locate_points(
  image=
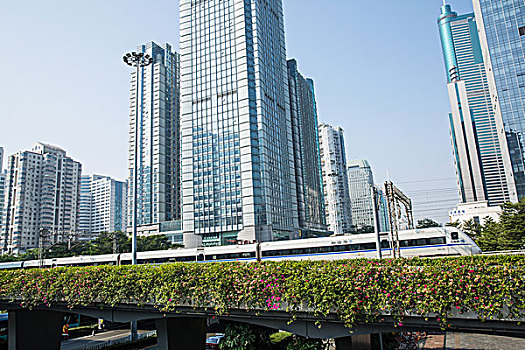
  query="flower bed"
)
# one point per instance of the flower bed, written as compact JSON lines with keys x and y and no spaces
{"x":356,"y":290}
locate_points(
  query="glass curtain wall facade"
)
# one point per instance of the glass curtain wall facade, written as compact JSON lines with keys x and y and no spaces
{"x":501,"y":24}
{"x":360,"y":182}
{"x":155,"y":93}
{"x":481,"y":156}
{"x":308,"y":177}
{"x":237,"y":155}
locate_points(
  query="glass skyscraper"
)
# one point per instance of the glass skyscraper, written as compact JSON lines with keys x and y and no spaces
{"x":308,"y":176}
{"x":480,"y":148}
{"x":501,"y":24}
{"x":238,"y":180}
{"x":158,"y":153}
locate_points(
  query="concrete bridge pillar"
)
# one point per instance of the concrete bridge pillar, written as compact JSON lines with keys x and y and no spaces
{"x":181,"y":333}
{"x":29,"y":330}
{"x":355,"y":342}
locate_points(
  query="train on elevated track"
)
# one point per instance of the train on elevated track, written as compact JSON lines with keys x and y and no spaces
{"x":431,"y":242}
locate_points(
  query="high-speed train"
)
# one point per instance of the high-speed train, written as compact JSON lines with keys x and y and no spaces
{"x":431,"y":242}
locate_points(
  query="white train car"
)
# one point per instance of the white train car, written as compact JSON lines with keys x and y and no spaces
{"x":431,"y":242}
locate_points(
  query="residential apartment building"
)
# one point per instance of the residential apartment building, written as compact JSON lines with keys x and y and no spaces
{"x":2,"y":187}
{"x":338,"y":209}
{"x":238,"y":178}
{"x":501,"y":27}
{"x":102,"y":205}
{"x":42,"y":192}
{"x":305,"y":132}
{"x":481,"y":153}
{"x":155,"y":109}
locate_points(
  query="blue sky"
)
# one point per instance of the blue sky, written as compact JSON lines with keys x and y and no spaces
{"x":377,"y":66}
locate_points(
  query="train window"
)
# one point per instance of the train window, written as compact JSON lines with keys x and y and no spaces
{"x":385,"y":244}
{"x":185,"y":258}
{"x":368,"y":246}
{"x":421,"y":242}
{"x":200,"y":257}
{"x":436,"y":240}
{"x":454,"y":235}
{"x":232,"y":256}
{"x":404,"y":243}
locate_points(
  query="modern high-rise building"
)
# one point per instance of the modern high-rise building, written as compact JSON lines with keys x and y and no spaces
{"x":482,"y":158}
{"x":155,"y":100}
{"x":338,"y":209}
{"x":305,"y":132}
{"x":360,"y":182}
{"x":102,"y":205}
{"x":238,"y":174}
{"x":501,"y":27}
{"x":42,"y":192}
{"x":2,"y":187}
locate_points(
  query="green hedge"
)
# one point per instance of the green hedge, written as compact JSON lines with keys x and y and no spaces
{"x":357,"y":290}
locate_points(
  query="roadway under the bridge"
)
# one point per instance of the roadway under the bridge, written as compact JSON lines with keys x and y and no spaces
{"x":185,"y":327}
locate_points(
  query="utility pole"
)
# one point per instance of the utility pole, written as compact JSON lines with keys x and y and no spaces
{"x":395,"y":197}
{"x":375,"y":208}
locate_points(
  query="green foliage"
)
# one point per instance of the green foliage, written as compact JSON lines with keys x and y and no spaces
{"x":427,"y":223}
{"x":301,"y":343}
{"x":358,"y":291}
{"x":507,"y":234}
{"x":242,"y":337}
{"x":103,"y":244}
{"x":279,"y":337}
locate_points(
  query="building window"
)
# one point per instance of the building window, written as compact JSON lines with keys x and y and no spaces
{"x":522,"y":30}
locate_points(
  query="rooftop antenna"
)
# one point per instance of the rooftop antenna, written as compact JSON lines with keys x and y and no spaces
{"x":444,"y":2}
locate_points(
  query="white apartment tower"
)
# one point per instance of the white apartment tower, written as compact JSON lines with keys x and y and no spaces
{"x":157,"y":137}
{"x":238,"y":178}
{"x":335,"y":179}
{"x":102,"y":205}
{"x":42,"y":192}
{"x":2,"y":187}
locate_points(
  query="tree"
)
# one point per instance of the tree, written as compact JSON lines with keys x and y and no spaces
{"x":512,"y":226}
{"x":151,"y":243}
{"x":427,"y":223}
{"x":507,"y":234}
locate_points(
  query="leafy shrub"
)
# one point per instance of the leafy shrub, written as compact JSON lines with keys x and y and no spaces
{"x":357,"y":291}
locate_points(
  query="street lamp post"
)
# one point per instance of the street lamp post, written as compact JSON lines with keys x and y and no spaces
{"x":137,"y":60}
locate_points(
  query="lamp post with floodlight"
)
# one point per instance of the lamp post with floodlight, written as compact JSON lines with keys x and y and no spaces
{"x":138,"y":60}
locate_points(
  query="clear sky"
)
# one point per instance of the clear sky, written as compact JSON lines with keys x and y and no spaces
{"x":377,"y":65}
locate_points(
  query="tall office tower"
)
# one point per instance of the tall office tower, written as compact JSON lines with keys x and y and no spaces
{"x":237,"y":154}
{"x":42,"y":192}
{"x":501,"y":25}
{"x":305,"y":132}
{"x":338,"y":209}
{"x":480,"y":148}
{"x":384,"y":220}
{"x":1,"y":159}
{"x":158,"y":189}
{"x":102,"y":205}
{"x":360,"y":182}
